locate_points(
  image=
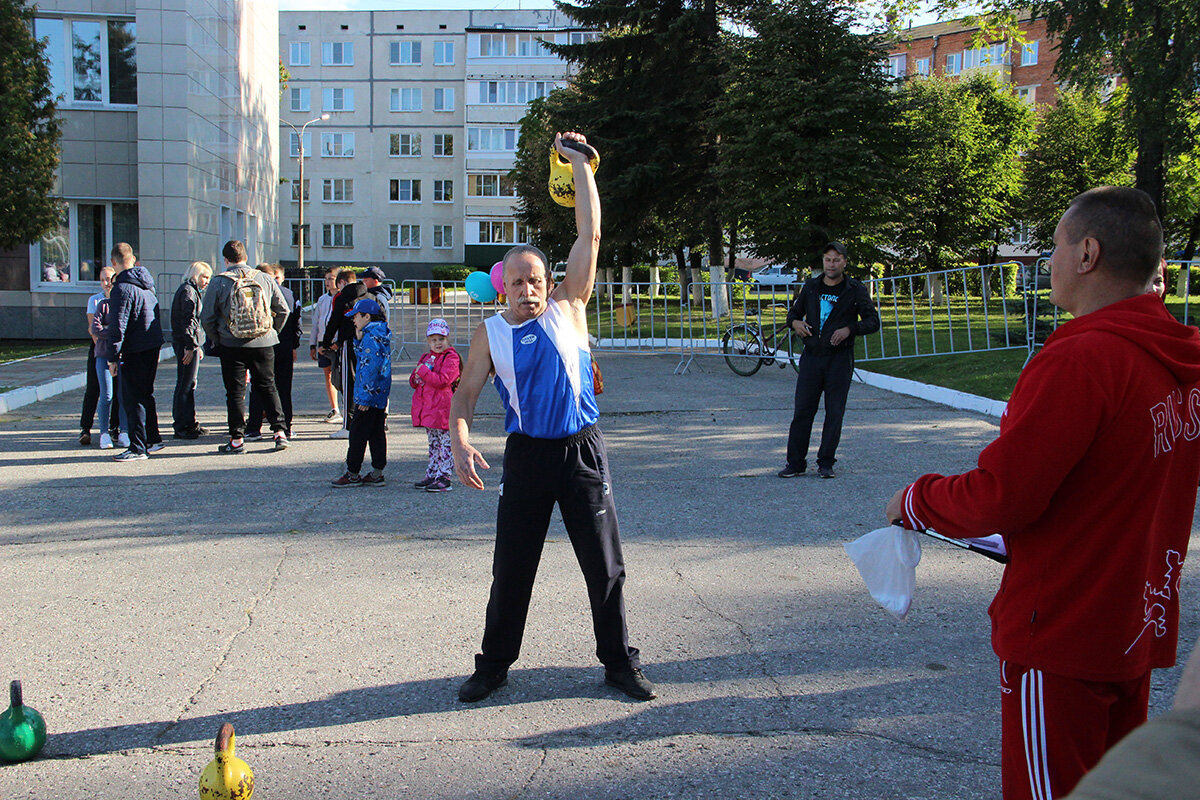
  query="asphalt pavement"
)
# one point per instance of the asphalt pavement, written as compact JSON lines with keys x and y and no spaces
{"x":148,"y":602}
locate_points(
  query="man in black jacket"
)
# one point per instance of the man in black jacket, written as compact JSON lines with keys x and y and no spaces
{"x":339,"y":337}
{"x":137,"y":339}
{"x":830,"y":311}
{"x":187,"y":339}
{"x":285,"y":360}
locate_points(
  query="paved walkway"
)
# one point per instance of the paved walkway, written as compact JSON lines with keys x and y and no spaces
{"x":146,"y":603}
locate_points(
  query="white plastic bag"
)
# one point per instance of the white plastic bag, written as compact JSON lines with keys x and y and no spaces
{"x":887,"y":561}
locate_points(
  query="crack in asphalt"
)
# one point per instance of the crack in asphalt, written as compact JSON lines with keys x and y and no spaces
{"x":229,"y":644}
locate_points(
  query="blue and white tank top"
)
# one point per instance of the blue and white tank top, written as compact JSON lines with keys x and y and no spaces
{"x":543,"y":374}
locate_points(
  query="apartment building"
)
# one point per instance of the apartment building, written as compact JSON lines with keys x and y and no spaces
{"x":411,"y":168}
{"x":170,"y":143}
{"x":948,"y":49}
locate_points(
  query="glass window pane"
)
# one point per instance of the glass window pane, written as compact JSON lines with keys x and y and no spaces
{"x":125,"y":225}
{"x":92,"y":248}
{"x":52,"y":31}
{"x":85,"y":57}
{"x":56,"y":249}
{"x":122,"y":63}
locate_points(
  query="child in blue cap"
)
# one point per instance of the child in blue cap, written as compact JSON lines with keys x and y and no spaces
{"x":372,"y":385}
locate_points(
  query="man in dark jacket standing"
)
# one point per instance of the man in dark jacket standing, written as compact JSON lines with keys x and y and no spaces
{"x":239,"y":355}
{"x":187,"y":339}
{"x":285,"y":360}
{"x":339,"y":338}
{"x":137,"y":340}
{"x":830,"y":311}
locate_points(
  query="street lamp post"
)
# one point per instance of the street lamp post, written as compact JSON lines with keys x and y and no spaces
{"x":300,"y":215}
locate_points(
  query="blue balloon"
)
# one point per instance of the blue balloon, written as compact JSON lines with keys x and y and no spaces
{"x":479,"y":287}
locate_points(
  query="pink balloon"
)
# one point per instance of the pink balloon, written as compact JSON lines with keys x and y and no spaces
{"x":497,"y":275}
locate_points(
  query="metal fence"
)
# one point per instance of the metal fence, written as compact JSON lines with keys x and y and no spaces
{"x":973,"y":309}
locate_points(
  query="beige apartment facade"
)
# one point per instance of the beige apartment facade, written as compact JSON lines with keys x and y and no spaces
{"x":410,"y":170}
{"x":170,"y":143}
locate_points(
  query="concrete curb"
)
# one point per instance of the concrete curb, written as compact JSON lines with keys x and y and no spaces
{"x":27,"y":395}
{"x":934,"y":394}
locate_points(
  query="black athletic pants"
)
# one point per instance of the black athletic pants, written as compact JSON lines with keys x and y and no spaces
{"x":91,"y":394}
{"x":138,"y":371}
{"x":260,"y":362}
{"x":538,"y":473}
{"x":827,"y":373}
{"x":284,"y":368}
{"x":183,"y":403}
{"x":367,"y":428}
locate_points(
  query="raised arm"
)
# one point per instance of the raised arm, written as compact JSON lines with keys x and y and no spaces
{"x":462,"y":409}
{"x":580,"y":278}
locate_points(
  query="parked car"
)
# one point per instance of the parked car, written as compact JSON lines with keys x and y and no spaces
{"x":774,"y":275}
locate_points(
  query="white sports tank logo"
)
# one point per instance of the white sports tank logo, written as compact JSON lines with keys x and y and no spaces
{"x":529,"y":338}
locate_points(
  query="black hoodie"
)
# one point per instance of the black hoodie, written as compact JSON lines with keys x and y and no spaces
{"x":133,"y":312}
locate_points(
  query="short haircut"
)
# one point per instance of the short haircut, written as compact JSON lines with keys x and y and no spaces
{"x":521,"y":249}
{"x":346,"y":275}
{"x":234,"y":252}
{"x":122,"y":253}
{"x":265,"y":267}
{"x":197,"y":269}
{"x":331,"y":271}
{"x":1126,"y":224}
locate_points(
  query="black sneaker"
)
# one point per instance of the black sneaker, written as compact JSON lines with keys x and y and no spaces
{"x":85,"y":438}
{"x":253,"y":437}
{"x":232,"y":449}
{"x":424,"y":483}
{"x":192,"y":434}
{"x":130,"y":455}
{"x":790,"y":472}
{"x":632,"y":682}
{"x":480,"y":685}
{"x":281,"y":441}
{"x":825,"y":472}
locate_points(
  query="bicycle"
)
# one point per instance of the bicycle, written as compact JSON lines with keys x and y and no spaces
{"x":747,"y":350}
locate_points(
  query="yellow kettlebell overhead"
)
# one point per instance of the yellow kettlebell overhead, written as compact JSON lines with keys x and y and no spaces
{"x":226,"y":777}
{"x":562,"y":182}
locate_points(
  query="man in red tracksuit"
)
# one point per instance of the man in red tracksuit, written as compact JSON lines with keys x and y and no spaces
{"x":1092,"y":482}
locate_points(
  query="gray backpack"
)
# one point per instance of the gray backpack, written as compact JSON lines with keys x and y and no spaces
{"x":249,"y":306}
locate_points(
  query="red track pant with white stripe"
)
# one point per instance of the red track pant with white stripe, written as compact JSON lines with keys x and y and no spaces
{"x":1055,"y":729}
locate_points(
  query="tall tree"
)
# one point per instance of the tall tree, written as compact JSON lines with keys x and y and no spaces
{"x":808,"y":131}
{"x":29,"y":131}
{"x":960,"y":174}
{"x":1080,"y":143}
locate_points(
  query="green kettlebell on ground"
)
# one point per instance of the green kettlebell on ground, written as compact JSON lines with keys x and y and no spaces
{"x":22,"y":729}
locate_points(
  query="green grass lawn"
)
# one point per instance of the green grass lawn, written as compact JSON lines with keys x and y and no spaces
{"x":13,"y":349}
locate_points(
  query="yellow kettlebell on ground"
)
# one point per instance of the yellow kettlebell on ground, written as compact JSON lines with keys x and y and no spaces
{"x":226,"y":777}
{"x":562,"y":182}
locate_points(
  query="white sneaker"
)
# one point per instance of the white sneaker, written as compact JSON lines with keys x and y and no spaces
{"x":333,"y":417}
{"x":106,"y":442}
{"x":154,"y":448}
{"x":123,"y":439}
{"x":340,"y":434}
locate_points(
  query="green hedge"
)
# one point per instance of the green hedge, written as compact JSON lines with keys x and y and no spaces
{"x":451,"y":272}
{"x":1173,"y":279}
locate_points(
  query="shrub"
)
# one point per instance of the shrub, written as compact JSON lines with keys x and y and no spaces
{"x":451,"y":272}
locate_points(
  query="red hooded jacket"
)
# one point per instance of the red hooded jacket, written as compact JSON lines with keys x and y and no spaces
{"x":1092,"y":482}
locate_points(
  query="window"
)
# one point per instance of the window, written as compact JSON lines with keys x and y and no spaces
{"x":511,"y":45}
{"x":307,"y":237}
{"x":337,"y":54}
{"x":443,"y":236}
{"x":337,"y":99}
{"x":479,"y":185}
{"x":91,"y":61}
{"x":294,"y":144}
{"x":405,"y":190}
{"x":495,"y":140}
{"x":443,"y":191}
{"x":337,"y":190}
{"x":1029,"y":54}
{"x":983,"y":56}
{"x":405,"y":144}
{"x":298,"y":54}
{"x":443,"y":53}
{"x":337,"y":234}
{"x":1027,"y":93}
{"x":337,"y":145}
{"x":923,"y":67}
{"x":1021,"y":236}
{"x":300,"y":99}
{"x":513,"y":92}
{"x":953,"y":63}
{"x":407,"y":236}
{"x":502,"y":232}
{"x":443,"y":145}
{"x":405,"y":53}
{"x":897,"y":66}
{"x":443,"y":99}
{"x":296,"y":190}
{"x":78,"y":246}
{"x":406,"y":99}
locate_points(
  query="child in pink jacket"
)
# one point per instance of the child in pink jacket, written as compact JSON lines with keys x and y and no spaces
{"x":433,"y":381}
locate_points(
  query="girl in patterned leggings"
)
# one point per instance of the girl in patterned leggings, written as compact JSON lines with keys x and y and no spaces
{"x":433,"y":382}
